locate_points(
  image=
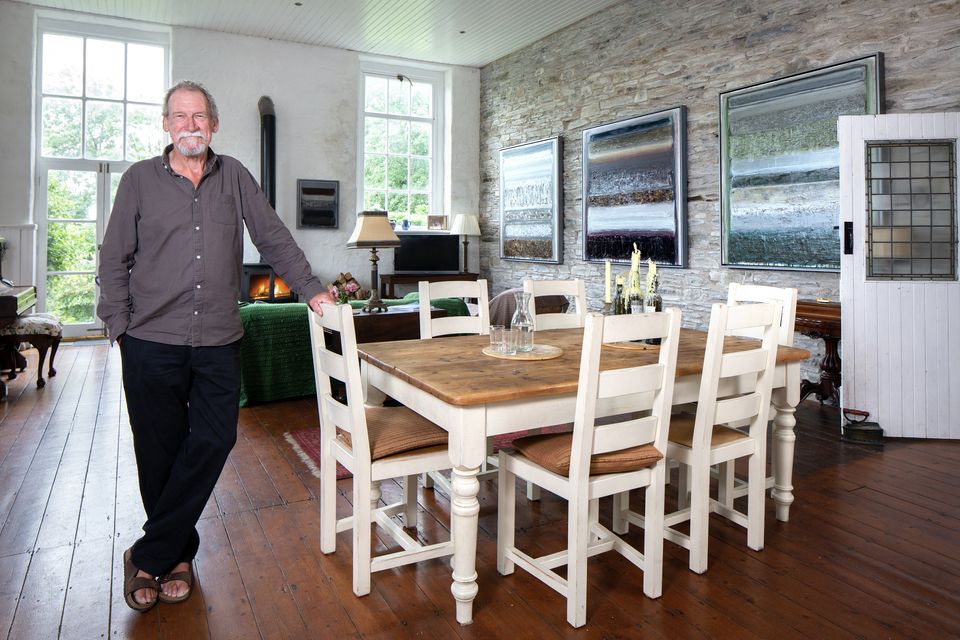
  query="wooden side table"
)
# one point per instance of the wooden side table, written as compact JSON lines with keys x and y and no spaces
{"x":389,"y":280}
{"x":821,"y":320}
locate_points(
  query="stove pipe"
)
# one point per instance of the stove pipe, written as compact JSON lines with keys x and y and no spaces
{"x":268,"y":150}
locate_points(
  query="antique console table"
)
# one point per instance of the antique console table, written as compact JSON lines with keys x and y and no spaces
{"x":389,"y":280}
{"x":822,"y":320}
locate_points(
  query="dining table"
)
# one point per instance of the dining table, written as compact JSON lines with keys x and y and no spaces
{"x":473,"y":395}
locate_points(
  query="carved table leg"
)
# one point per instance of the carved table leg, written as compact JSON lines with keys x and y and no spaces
{"x":784,"y":440}
{"x":827,"y":388}
{"x":464,"y":514}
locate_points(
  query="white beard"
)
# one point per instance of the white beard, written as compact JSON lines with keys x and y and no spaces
{"x":191,"y":145}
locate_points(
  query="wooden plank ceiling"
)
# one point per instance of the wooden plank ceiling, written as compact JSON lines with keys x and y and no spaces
{"x":461,"y":32}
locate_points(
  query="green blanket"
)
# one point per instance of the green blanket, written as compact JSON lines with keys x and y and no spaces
{"x":275,"y":359}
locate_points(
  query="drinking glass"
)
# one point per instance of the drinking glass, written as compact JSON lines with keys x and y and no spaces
{"x":497,"y":338}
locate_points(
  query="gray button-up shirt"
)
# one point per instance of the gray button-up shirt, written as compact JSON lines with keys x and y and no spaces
{"x":171,"y":258}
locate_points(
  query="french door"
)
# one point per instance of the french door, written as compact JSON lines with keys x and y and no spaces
{"x":74,"y":202}
{"x":899,"y":291}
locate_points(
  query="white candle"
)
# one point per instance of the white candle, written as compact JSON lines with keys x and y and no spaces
{"x":606,"y":281}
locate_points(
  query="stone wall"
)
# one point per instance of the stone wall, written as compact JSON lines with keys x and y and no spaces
{"x":642,"y":56}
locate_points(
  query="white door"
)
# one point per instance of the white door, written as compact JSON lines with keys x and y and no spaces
{"x":898,"y":272}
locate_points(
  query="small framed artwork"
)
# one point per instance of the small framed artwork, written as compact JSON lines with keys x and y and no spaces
{"x":531,"y":202}
{"x":635,"y":189}
{"x":436,"y":222}
{"x":318,"y":204}
{"x":780,"y":165}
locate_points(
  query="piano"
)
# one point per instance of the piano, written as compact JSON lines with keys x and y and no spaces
{"x":14,"y":301}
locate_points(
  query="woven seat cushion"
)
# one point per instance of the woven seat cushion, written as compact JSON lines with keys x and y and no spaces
{"x":681,"y":432}
{"x":394,"y":430}
{"x":552,"y":452}
{"x":34,"y":324}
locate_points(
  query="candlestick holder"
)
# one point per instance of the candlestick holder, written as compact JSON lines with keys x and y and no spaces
{"x":607,"y":309}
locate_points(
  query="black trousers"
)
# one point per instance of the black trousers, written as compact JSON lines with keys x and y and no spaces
{"x":184,"y":403}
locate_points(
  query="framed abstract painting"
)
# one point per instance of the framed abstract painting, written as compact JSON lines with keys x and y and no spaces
{"x":780,"y":164}
{"x":531,"y":202}
{"x":635,"y":189}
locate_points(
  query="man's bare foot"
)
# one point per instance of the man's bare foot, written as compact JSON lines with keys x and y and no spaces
{"x":145,"y":596}
{"x":175,"y":590}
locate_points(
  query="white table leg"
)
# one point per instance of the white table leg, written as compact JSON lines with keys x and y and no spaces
{"x":464,"y":512}
{"x":785,"y":399}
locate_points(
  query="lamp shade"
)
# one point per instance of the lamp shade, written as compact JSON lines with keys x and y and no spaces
{"x":465,"y":224}
{"x":373,"y":230}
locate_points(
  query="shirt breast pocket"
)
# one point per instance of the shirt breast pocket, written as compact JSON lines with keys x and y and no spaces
{"x":224,"y":210}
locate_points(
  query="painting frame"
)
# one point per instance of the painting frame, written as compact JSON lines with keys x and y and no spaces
{"x":635,"y":189}
{"x":779,"y":164}
{"x":531,"y":201}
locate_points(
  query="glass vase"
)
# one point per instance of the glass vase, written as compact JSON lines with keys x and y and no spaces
{"x":522,"y":322}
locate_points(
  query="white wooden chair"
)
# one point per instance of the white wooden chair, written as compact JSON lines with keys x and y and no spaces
{"x":571,"y":288}
{"x":596,"y":460}
{"x":734,"y":386}
{"x":373,"y":443}
{"x":431,"y":327}
{"x":730,"y":487}
{"x":448,"y":325}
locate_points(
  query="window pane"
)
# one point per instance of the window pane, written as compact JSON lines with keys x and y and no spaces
{"x":72,"y":195}
{"x":104,"y":131}
{"x":62,"y":64}
{"x":71,"y":246}
{"x":114,"y":184}
{"x":60,"y":135}
{"x":374,"y":135}
{"x":397,"y":203}
{"x":374,"y":171}
{"x":399,"y":136}
{"x":420,"y":139}
{"x":375,"y":200}
{"x":397,"y":172}
{"x":145,"y":73}
{"x":105,"y":67}
{"x":375,"y":94}
{"x":399,"y":96}
{"x":420,"y":174}
{"x":71,"y":297}
{"x":420,"y":204}
{"x":421,"y":99}
{"x":144,"y":132}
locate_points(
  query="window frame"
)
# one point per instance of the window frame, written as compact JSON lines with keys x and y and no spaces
{"x":417,"y":73}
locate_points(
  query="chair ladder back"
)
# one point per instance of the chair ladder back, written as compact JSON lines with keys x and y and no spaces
{"x":574,"y":289}
{"x":345,"y":367}
{"x":753,"y":393}
{"x":619,"y":382}
{"x":434,"y":327}
{"x":741,"y":362}
{"x":652,"y":383}
{"x":786,"y":296}
{"x":623,"y":435}
{"x":741,"y":407}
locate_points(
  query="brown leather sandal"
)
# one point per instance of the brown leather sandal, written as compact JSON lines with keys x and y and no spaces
{"x":183,"y":576}
{"x":132,"y":583}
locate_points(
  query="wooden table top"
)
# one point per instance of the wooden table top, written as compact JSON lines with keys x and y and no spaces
{"x":454,"y":370}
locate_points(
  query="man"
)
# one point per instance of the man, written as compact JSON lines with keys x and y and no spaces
{"x":169,"y":279}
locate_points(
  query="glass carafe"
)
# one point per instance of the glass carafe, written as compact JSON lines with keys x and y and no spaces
{"x":522,"y":322}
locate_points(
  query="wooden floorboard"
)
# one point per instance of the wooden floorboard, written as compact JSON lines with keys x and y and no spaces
{"x":872,"y":548}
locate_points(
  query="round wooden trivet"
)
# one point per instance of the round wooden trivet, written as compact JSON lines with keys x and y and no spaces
{"x":632,"y":346}
{"x":540,"y":352}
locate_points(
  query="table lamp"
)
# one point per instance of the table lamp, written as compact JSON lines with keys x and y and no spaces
{"x":465,"y":224}
{"x":373,"y":230}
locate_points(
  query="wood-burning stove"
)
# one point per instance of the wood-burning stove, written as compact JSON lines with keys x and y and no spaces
{"x":259,"y":283}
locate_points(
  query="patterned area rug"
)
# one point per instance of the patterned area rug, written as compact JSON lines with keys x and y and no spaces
{"x":306,"y":444}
